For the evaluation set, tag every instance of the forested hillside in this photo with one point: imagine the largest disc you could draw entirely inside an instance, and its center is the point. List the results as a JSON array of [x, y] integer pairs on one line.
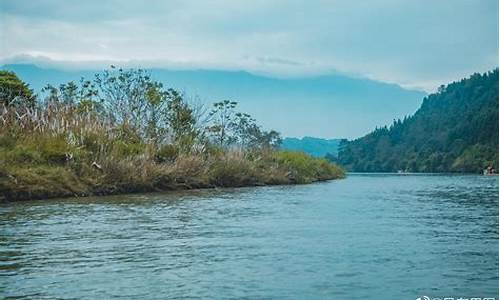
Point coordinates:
[[455, 130]]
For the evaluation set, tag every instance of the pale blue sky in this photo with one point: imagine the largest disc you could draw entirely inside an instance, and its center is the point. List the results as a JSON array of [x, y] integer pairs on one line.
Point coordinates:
[[414, 43]]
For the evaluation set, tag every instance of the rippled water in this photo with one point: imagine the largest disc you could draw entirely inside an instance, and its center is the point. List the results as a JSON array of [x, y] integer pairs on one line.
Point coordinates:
[[365, 237]]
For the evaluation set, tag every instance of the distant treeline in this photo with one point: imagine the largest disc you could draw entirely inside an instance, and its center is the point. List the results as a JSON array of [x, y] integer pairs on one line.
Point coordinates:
[[121, 131], [455, 130]]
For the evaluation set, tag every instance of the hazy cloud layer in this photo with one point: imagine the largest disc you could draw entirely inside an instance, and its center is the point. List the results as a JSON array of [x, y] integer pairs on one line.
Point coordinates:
[[415, 43]]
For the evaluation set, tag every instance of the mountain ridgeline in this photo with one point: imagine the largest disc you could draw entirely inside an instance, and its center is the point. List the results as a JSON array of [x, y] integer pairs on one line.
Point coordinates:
[[316, 147], [335, 96], [455, 130]]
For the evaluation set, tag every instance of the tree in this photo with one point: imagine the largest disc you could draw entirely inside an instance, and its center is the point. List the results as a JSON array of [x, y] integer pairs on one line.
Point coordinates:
[[181, 120], [223, 122], [83, 96], [127, 97], [250, 135], [232, 127], [14, 91], [132, 97], [271, 139]]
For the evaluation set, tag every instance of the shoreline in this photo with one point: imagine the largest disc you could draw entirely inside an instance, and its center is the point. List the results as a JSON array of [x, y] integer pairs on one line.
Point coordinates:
[[173, 188], [82, 140]]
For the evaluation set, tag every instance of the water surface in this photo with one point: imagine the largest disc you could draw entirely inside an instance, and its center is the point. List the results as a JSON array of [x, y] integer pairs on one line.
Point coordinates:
[[365, 237]]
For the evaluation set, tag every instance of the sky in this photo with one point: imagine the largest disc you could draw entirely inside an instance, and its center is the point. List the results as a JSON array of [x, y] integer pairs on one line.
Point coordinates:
[[417, 44]]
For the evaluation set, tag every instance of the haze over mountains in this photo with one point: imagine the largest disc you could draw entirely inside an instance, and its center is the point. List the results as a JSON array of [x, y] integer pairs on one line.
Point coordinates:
[[314, 146], [330, 106]]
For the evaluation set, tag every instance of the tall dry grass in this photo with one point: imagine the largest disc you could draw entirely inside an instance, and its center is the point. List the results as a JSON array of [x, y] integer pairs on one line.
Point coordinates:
[[60, 150]]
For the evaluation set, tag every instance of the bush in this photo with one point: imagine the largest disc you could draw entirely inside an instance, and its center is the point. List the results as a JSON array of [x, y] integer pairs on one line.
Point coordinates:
[[166, 153], [53, 150], [21, 155], [41, 182], [122, 149], [304, 169], [37, 150], [232, 171]]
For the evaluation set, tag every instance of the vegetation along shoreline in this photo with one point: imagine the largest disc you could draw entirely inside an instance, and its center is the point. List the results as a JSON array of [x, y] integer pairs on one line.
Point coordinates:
[[122, 132]]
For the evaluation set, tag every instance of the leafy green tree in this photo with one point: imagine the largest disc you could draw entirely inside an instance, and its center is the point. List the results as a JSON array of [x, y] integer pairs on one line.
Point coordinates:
[[14, 91], [245, 129], [127, 97], [82, 95], [132, 97], [271, 139], [181, 120], [250, 135], [223, 117], [235, 128]]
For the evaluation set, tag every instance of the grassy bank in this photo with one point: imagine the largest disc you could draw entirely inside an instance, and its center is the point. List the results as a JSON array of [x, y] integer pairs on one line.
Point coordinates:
[[42, 168], [123, 133]]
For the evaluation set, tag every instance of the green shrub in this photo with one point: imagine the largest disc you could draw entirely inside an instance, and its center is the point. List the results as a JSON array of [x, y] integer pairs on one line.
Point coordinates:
[[303, 168], [232, 172], [53, 149], [41, 182], [21, 155], [166, 153], [7, 141], [95, 142], [122, 149], [38, 150]]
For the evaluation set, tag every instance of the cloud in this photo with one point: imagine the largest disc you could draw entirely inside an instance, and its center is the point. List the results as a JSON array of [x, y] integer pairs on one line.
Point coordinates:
[[415, 43]]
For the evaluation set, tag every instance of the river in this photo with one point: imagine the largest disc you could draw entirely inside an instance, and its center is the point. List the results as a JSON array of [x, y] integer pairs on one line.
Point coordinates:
[[369, 236]]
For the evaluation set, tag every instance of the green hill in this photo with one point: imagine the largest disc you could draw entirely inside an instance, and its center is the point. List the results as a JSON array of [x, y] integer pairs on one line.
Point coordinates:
[[455, 130]]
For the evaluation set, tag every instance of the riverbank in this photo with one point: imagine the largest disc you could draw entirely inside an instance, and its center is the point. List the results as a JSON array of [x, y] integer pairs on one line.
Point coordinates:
[[71, 178], [122, 132]]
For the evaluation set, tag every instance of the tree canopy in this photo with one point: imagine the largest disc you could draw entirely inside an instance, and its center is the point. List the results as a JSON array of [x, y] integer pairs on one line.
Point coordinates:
[[14, 91]]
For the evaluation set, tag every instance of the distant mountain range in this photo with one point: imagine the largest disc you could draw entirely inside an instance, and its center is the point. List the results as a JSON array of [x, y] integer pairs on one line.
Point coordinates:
[[314, 146], [455, 130], [331, 105]]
